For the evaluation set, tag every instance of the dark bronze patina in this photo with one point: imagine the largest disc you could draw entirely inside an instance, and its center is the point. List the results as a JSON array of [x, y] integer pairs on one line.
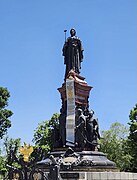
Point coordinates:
[[73, 53], [82, 154]]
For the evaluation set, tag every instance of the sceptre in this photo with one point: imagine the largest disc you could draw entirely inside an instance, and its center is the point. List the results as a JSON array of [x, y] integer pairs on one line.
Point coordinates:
[[65, 34]]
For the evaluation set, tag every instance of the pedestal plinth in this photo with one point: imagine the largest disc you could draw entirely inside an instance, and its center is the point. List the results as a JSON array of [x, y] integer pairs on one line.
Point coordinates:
[[74, 95], [75, 165], [90, 161], [82, 90]]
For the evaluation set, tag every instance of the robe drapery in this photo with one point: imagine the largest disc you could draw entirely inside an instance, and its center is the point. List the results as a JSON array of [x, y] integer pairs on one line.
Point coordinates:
[[73, 54]]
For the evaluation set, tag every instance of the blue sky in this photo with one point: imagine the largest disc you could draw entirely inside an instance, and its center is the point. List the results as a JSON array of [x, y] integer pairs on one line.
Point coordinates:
[[31, 61]]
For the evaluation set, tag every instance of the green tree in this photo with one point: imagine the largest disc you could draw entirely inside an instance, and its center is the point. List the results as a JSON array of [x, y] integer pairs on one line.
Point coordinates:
[[44, 135], [114, 144], [3, 168], [132, 138], [5, 123], [11, 150]]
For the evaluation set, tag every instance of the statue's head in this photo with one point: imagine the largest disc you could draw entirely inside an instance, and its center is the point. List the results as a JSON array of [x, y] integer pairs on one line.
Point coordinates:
[[91, 113], [73, 32]]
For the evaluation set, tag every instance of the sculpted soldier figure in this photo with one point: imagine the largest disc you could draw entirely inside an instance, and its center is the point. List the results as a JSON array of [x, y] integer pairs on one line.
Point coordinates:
[[92, 130], [62, 126], [80, 129], [73, 53]]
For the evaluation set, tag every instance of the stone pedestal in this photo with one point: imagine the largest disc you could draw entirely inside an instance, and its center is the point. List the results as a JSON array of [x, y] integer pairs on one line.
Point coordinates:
[[74, 95], [82, 90], [78, 161], [86, 175], [99, 176], [76, 165]]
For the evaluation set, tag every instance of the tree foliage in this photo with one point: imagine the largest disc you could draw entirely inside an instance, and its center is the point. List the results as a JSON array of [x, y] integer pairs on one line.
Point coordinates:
[[43, 136], [5, 123], [114, 144], [132, 138], [11, 147], [8, 157], [3, 168]]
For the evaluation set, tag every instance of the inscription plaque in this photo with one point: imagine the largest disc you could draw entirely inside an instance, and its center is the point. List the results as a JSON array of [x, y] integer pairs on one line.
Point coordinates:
[[70, 175]]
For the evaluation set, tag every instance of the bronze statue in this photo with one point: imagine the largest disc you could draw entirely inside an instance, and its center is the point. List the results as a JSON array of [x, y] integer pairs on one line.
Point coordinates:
[[73, 53], [92, 128], [80, 129], [62, 126]]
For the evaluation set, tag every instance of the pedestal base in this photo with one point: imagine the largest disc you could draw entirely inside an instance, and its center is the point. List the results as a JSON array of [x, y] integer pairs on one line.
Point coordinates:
[[84, 165], [72, 164], [75, 175], [99, 176]]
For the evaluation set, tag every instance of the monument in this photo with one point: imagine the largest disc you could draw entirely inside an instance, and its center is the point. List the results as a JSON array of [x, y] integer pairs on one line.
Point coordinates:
[[75, 154], [76, 146]]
